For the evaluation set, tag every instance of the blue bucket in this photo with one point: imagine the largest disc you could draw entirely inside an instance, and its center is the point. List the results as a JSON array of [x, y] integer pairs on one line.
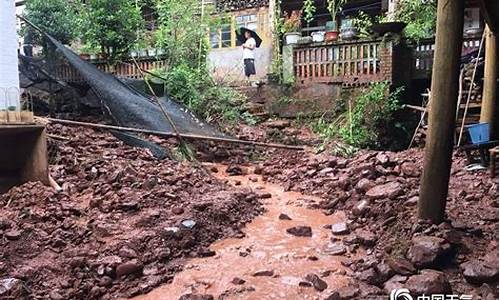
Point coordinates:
[[479, 133]]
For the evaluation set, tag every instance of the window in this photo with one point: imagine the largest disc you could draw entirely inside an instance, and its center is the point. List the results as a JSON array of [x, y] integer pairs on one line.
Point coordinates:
[[247, 21], [220, 37], [224, 37], [225, 34]]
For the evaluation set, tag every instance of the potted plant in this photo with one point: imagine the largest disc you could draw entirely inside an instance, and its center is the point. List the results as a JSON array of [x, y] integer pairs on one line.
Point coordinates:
[[291, 27], [334, 7], [348, 30]]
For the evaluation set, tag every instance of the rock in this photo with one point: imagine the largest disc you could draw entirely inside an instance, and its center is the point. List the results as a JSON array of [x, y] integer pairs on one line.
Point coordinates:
[[13, 234], [305, 284], [361, 208], [237, 281], [389, 190], [477, 272], [326, 171], [333, 296], [366, 238], [302, 231], [127, 252], [263, 273], [384, 271], [369, 276], [277, 124], [382, 158], [196, 297], [336, 248], [177, 210], [235, 171], [401, 266], [428, 282], [396, 282], [318, 283], [410, 169], [264, 195], [132, 267], [55, 295], [348, 292], [106, 281], [11, 288], [206, 253], [425, 251], [340, 228], [364, 185], [412, 201], [283, 216]]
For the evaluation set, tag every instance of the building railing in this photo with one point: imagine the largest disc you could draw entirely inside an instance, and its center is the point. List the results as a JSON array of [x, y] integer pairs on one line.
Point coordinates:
[[424, 54], [126, 69], [343, 62]]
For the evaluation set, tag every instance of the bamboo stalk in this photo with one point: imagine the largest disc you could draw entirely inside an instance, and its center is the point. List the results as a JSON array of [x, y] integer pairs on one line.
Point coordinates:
[[170, 134], [471, 86]]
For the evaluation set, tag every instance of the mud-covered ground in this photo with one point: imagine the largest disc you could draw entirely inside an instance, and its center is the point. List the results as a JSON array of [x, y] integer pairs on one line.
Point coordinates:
[[123, 223], [379, 192], [117, 230]]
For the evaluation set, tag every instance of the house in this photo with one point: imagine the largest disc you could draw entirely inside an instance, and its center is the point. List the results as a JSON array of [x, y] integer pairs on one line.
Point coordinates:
[[225, 58]]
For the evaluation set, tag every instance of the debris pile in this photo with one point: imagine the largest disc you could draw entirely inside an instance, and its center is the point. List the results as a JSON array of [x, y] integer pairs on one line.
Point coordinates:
[[379, 193], [121, 225]]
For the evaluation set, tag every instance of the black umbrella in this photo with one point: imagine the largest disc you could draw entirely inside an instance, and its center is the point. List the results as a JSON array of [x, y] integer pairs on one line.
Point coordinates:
[[240, 36]]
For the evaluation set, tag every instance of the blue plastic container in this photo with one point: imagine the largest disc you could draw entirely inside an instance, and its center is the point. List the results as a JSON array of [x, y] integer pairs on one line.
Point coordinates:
[[479, 133]]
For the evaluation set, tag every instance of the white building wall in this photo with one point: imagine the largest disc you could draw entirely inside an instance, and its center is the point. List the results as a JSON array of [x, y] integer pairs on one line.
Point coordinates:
[[9, 72]]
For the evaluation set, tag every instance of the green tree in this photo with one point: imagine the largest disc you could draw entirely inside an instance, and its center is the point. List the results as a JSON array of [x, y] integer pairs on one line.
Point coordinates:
[[420, 15], [58, 18], [114, 26], [183, 31]]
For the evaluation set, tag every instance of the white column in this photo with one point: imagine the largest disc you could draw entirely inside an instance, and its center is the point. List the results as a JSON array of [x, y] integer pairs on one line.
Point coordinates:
[[9, 72]]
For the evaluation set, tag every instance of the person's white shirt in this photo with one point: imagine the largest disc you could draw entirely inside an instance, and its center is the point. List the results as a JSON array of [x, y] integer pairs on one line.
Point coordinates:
[[248, 50]]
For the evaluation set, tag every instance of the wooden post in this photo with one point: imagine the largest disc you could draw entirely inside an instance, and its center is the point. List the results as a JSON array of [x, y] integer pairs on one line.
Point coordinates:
[[489, 107], [444, 92]]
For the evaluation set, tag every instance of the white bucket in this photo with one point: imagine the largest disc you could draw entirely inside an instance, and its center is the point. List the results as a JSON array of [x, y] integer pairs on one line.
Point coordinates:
[[318, 36]]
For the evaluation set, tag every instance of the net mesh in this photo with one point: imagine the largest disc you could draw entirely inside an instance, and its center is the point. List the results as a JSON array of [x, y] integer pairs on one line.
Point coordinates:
[[129, 107]]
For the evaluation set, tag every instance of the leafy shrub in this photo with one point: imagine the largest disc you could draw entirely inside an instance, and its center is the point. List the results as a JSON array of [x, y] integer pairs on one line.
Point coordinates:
[[371, 116], [367, 122], [114, 26], [59, 18], [420, 15], [194, 88]]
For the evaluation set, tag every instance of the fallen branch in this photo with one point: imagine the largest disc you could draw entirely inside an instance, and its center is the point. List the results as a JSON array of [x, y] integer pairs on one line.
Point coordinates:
[[171, 134], [58, 137]]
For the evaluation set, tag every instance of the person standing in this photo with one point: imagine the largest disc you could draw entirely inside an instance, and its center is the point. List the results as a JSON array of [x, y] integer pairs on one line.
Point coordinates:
[[249, 55]]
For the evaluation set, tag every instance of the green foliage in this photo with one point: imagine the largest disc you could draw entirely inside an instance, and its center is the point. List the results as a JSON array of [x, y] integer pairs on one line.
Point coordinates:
[[420, 15], [59, 18], [195, 89], [367, 122], [334, 7], [370, 116], [182, 31], [114, 26], [309, 9], [362, 22]]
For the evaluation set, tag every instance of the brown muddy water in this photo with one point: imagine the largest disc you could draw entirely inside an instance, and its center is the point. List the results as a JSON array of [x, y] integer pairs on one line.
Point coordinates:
[[266, 247]]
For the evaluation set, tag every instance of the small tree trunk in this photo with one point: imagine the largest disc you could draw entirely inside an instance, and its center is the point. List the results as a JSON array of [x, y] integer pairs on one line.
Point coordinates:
[[489, 107], [444, 92]]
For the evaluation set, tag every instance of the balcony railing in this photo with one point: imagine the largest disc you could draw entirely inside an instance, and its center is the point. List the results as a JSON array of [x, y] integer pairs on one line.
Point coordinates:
[[344, 62], [126, 69], [424, 54]]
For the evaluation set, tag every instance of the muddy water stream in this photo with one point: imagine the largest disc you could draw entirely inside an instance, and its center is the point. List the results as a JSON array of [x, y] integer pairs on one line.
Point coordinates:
[[266, 247]]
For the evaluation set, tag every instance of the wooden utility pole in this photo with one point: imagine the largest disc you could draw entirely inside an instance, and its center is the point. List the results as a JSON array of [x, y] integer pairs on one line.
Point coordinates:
[[444, 92], [489, 107]]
